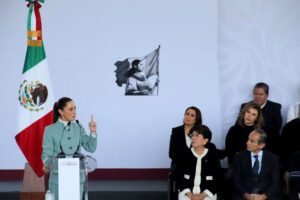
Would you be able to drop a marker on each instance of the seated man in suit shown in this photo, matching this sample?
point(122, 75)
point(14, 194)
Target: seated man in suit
point(255, 171)
point(272, 115)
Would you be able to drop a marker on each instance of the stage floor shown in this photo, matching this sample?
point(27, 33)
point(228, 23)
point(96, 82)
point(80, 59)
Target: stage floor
point(102, 185)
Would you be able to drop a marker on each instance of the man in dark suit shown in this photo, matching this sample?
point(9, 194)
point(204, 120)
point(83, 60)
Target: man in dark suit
point(255, 171)
point(272, 115)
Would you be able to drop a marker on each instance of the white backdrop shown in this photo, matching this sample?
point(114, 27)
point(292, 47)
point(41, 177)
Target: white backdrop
point(212, 53)
point(83, 40)
point(258, 41)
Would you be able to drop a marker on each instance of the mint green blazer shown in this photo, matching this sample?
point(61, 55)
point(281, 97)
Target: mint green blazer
point(57, 135)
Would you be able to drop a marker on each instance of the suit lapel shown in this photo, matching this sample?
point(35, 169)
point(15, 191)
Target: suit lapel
point(59, 126)
point(248, 161)
point(263, 164)
point(182, 135)
point(266, 106)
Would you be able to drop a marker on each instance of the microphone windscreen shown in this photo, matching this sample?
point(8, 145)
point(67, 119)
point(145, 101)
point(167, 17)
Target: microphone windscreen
point(68, 126)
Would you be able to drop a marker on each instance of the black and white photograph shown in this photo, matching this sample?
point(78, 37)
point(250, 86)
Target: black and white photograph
point(139, 75)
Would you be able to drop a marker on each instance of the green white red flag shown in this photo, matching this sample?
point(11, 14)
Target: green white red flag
point(35, 94)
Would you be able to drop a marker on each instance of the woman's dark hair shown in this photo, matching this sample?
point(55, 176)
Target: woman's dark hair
point(134, 67)
point(60, 104)
point(204, 131)
point(259, 120)
point(198, 114)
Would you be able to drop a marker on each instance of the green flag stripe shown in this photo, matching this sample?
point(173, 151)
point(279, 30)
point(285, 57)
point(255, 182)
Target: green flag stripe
point(34, 55)
point(29, 17)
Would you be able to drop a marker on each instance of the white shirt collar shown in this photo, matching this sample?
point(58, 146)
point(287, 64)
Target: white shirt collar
point(262, 106)
point(188, 141)
point(260, 153)
point(199, 156)
point(65, 123)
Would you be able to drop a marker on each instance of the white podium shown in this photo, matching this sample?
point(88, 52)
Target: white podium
point(70, 169)
point(68, 178)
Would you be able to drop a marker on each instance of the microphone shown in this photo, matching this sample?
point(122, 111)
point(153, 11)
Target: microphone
point(68, 126)
point(77, 154)
point(62, 153)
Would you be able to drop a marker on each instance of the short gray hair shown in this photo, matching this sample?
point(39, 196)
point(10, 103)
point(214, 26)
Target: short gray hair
point(262, 135)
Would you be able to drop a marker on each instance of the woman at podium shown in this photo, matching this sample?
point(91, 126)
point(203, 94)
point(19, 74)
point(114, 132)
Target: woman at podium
point(65, 138)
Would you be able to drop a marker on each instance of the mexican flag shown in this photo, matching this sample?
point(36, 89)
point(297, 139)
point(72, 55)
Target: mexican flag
point(35, 93)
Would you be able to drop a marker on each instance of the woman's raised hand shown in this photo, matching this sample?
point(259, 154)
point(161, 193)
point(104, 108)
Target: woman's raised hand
point(92, 125)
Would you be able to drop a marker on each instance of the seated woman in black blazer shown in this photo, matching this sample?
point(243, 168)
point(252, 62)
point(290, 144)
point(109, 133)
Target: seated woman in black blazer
point(250, 118)
point(201, 168)
point(180, 141)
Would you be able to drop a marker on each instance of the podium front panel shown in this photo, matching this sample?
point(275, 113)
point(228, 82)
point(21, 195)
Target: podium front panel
point(68, 178)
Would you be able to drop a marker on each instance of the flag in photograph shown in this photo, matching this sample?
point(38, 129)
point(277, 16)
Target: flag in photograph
point(140, 81)
point(35, 93)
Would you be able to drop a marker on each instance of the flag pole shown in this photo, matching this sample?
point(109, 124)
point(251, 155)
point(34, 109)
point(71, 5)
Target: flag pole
point(158, 67)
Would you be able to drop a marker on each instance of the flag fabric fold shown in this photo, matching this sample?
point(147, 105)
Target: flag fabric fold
point(152, 63)
point(35, 93)
point(121, 72)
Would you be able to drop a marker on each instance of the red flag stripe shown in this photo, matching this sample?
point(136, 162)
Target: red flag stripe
point(30, 141)
point(37, 6)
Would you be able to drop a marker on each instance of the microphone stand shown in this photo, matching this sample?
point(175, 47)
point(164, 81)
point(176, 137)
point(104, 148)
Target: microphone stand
point(81, 158)
point(77, 154)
